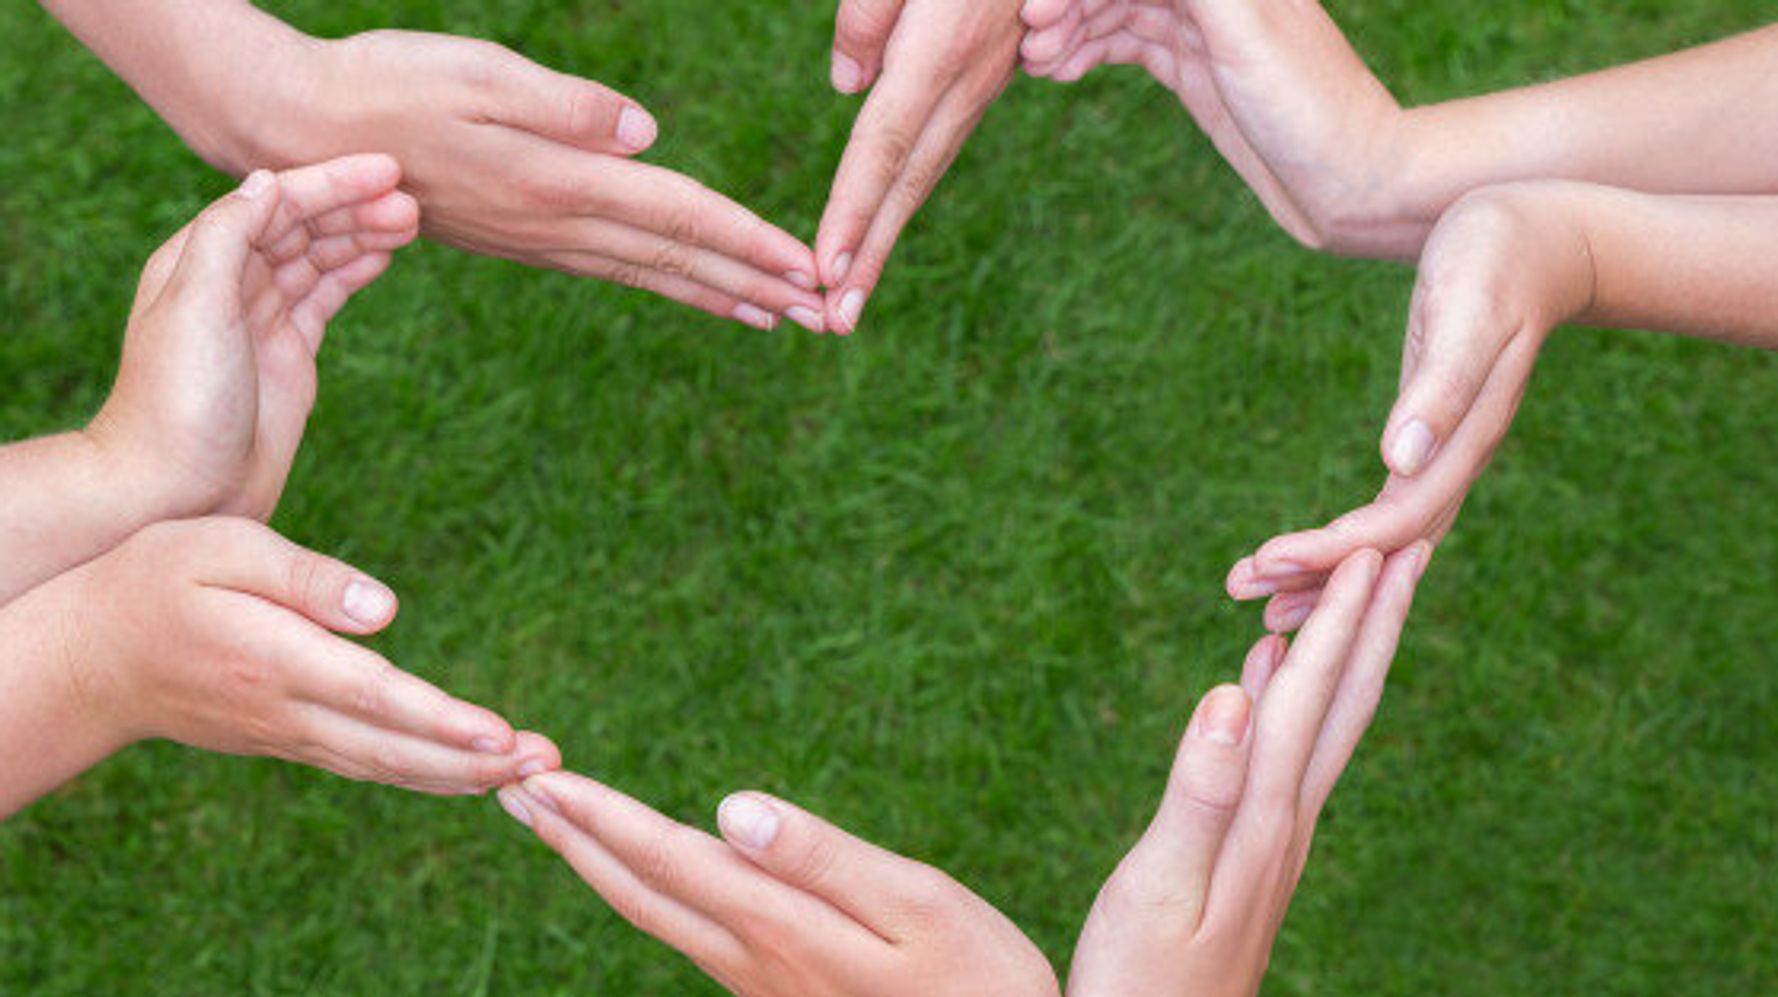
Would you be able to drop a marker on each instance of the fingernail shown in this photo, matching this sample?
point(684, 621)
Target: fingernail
point(511, 801)
point(1275, 569)
point(636, 129)
point(748, 822)
point(851, 310)
point(532, 766)
point(848, 76)
point(1412, 446)
point(1224, 720)
point(256, 184)
point(801, 280)
point(1420, 558)
point(1292, 618)
point(756, 317)
point(485, 746)
point(806, 318)
point(842, 265)
point(1254, 589)
point(367, 602)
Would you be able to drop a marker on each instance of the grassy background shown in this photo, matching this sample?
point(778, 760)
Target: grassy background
point(955, 582)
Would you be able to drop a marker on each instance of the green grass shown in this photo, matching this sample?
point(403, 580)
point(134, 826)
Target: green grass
point(954, 583)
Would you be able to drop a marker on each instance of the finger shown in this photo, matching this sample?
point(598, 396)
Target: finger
point(671, 286)
point(883, 140)
point(653, 912)
point(1451, 347)
point(520, 93)
point(1289, 610)
point(696, 869)
point(861, 32)
point(213, 258)
point(1408, 508)
point(159, 269)
point(344, 678)
point(1261, 664)
point(311, 315)
point(1291, 711)
point(392, 214)
point(1361, 688)
point(1041, 14)
point(932, 156)
point(246, 557)
point(1246, 583)
point(348, 746)
point(1055, 39)
point(313, 191)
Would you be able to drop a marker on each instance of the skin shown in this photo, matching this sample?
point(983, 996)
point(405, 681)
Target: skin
point(1505, 268)
point(220, 635)
point(218, 370)
point(1342, 166)
point(932, 68)
point(787, 904)
point(507, 158)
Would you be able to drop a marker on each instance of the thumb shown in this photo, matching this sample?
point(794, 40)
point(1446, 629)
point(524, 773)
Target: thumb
point(1452, 346)
point(874, 886)
point(861, 33)
point(565, 108)
point(214, 250)
point(244, 556)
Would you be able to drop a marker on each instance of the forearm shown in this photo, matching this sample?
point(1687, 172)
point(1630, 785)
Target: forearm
point(216, 70)
point(1695, 121)
point(48, 732)
point(1702, 266)
point(63, 502)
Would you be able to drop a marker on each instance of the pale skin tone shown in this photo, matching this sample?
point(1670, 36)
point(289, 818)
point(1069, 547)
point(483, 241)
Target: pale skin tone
point(932, 68)
point(506, 158)
point(1505, 268)
point(137, 621)
point(784, 903)
point(1342, 165)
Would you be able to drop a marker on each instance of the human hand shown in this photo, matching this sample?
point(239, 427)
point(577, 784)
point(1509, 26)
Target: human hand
point(933, 67)
point(215, 634)
point(789, 905)
point(1278, 90)
point(1502, 270)
point(218, 371)
point(1194, 908)
point(511, 159)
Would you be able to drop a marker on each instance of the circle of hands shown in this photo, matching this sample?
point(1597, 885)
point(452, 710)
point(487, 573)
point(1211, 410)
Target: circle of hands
point(239, 640)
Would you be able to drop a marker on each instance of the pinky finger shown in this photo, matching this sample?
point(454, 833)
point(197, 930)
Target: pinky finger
point(357, 750)
point(673, 287)
point(330, 294)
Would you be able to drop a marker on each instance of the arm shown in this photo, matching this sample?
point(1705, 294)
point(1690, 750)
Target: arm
point(219, 634)
point(1343, 166)
point(218, 371)
point(507, 158)
point(1506, 267)
point(933, 68)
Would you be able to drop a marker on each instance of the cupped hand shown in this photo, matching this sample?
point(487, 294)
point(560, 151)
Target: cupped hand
point(933, 67)
point(1193, 910)
point(216, 634)
point(1278, 90)
point(511, 159)
point(1499, 273)
point(218, 371)
point(788, 905)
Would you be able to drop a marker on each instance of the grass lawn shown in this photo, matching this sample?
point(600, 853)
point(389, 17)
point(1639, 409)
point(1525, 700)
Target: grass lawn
point(954, 583)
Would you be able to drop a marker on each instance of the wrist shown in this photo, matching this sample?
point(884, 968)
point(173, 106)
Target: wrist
point(267, 110)
point(131, 481)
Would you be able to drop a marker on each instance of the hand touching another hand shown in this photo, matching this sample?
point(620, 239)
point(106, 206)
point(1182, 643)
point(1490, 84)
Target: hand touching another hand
point(1277, 89)
point(216, 634)
point(218, 371)
point(933, 67)
point(1194, 908)
point(511, 159)
point(1504, 268)
point(788, 906)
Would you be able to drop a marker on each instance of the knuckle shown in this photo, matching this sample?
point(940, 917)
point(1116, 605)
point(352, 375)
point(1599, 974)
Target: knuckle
point(895, 145)
point(657, 862)
point(550, 192)
point(673, 257)
point(370, 697)
point(928, 897)
point(586, 112)
point(815, 863)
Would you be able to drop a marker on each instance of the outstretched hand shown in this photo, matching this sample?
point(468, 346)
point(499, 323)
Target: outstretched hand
point(218, 371)
point(932, 67)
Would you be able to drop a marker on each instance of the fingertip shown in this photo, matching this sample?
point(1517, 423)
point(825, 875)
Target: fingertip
point(749, 821)
point(1262, 662)
point(537, 754)
point(1222, 716)
point(846, 74)
point(1409, 447)
point(636, 129)
point(257, 185)
point(1244, 583)
point(369, 603)
point(1287, 613)
point(517, 805)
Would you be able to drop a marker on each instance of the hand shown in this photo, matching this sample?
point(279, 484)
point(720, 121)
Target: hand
point(1194, 908)
point(218, 372)
point(1278, 90)
point(941, 63)
point(214, 633)
point(790, 906)
point(510, 159)
point(1502, 269)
